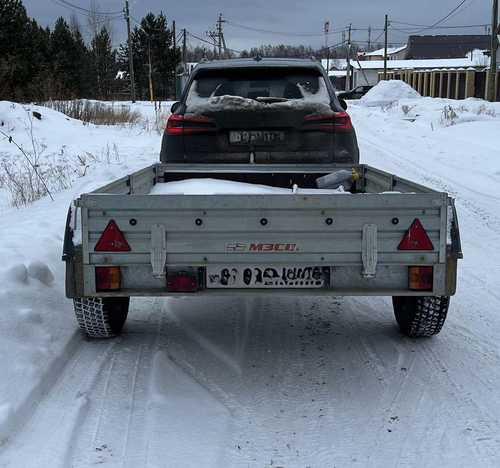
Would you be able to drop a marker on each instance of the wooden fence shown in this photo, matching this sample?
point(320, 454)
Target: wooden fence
point(452, 84)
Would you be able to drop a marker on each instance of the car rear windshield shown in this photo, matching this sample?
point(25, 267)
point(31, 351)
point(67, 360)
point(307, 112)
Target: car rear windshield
point(256, 87)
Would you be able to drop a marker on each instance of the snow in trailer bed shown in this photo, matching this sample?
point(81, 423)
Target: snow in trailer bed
point(227, 187)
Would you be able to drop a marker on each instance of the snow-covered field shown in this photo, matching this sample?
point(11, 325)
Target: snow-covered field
point(290, 382)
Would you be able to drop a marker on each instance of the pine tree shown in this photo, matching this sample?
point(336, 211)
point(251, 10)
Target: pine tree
point(104, 64)
point(153, 38)
point(70, 62)
point(15, 45)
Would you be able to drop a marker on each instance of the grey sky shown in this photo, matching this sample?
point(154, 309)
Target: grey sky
point(283, 16)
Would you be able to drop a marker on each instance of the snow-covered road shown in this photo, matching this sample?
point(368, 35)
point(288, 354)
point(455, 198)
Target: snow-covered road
point(261, 382)
point(299, 382)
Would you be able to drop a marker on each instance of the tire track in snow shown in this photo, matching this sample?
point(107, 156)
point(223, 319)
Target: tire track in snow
point(196, 431)
point(490, 220)
point(49, 437)
point(22, 415)
point(115, 431)
point(470, 412)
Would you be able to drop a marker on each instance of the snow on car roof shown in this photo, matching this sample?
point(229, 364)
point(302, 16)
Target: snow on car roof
point(264, 62)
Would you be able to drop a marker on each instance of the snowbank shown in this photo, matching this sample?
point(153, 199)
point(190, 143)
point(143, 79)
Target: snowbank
point(37, 326)
point(388, 92)
point(436, 113)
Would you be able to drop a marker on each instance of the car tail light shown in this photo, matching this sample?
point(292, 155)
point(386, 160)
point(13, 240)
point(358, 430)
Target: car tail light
point(420, 278)
point(182, 282)
point(189, 125)
point(416, 238)
point(337, 122)
point(108, 278)
point(112, 240)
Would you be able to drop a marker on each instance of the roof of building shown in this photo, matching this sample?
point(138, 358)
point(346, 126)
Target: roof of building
point(475, 59)
point(337, 73)
point(445, 46)
point(390, 51)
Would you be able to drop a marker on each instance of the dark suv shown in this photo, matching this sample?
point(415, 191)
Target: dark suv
point(259, 111)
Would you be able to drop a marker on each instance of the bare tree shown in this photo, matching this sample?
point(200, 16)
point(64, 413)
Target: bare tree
point(96, 21)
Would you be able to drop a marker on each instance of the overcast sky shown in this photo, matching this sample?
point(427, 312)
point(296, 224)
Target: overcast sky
point(286, 16)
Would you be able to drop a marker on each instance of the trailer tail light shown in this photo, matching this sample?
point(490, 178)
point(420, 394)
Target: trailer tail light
point(108, 278)
point(416, 238)
point(420, 278)
point(336, 122)
point(178, 125)
point(112, 240)
point(182, 282)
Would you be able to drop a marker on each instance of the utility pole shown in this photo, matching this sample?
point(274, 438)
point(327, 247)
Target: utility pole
point(213, 35)
point(151, 94)
point(220, 34)
point(491, 93)
point(184, 47)
point(326, 31)
point(174, 34)
point(386, 27)
point(348, 49)
point(369, 38)
point(174, 44)
point(130, 53)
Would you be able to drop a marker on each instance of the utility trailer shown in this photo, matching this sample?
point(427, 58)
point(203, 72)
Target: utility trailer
point(387, 237)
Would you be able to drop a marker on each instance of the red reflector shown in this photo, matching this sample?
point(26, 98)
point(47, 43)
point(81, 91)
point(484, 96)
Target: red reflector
point(108, 278)
point(182, 282)
point(112, 240)
point(421, 278)
point(416, 238)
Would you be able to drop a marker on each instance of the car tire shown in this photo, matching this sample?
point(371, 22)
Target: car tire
point(420, 316)
point(101, 317)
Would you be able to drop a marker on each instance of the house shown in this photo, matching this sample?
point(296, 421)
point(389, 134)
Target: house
point(445, 46)
point(393, 53)
point(367, 72)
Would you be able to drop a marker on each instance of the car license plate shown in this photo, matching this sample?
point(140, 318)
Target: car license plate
point(255, 137)
point(265, 276)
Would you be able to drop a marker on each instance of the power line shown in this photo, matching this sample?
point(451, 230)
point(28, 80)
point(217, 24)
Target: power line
point(211, 43)
point(283, 33)
point(443, 19)
point(67, 4)
point(439, 27)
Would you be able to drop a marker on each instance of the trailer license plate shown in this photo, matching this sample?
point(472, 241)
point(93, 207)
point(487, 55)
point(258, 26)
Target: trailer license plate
point(262, 276)
point(255, 137)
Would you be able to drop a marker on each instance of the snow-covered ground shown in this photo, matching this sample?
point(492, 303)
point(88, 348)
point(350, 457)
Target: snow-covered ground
point(36, 323)
point(266, 382)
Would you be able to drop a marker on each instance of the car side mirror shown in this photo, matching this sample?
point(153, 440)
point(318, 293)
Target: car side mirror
point(175, 107)
point(343, 103)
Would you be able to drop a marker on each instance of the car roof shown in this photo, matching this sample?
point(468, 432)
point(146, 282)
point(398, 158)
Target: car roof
point(259, 63)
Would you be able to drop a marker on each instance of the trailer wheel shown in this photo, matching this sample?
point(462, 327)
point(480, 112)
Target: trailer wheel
point(101, 317)
point(420, 316)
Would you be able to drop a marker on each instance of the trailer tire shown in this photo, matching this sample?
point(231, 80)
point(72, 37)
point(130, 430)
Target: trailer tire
point(101, 317)
point(420, 316)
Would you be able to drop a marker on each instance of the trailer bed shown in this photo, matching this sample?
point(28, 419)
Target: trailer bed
point(354, 237)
